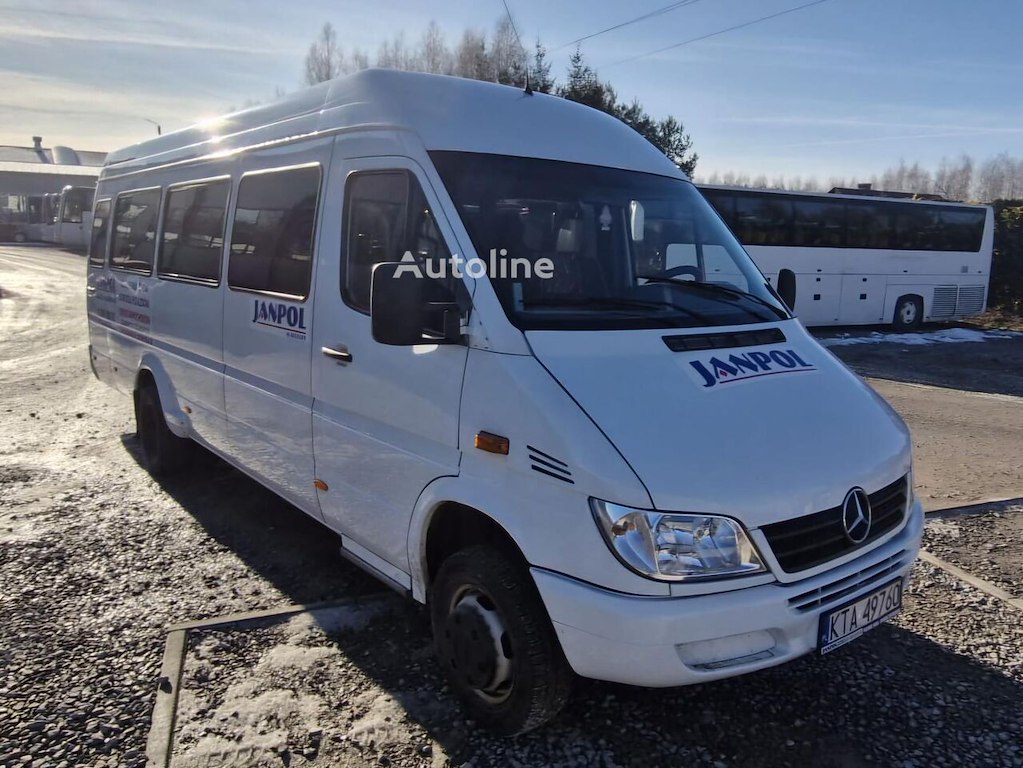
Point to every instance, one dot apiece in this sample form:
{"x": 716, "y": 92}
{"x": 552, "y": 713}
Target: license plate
{"x": 847, "y": 622}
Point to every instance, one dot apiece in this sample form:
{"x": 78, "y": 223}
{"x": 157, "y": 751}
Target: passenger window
{"x": 100, "y": 227}
{"x": 763, "y": 219}
{"x": 272, "y": 234}
{"x": 134, "y": 241}
{"x": 963, "y": 230}
{"x": 387, "y": 215}
{"x": 819, "y": 223}
{"x": 869, "y": 225}
{"x": 193, "y": 232}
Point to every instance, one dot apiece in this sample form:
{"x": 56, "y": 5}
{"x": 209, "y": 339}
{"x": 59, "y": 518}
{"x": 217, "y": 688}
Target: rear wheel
{"x": 163, "y": 452}
{"x": 909, "y": 313}
{"x": 496, "y": 643}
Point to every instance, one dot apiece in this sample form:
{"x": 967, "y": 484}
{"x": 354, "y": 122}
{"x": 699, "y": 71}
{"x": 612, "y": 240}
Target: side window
{"x": 819, "y": 223}
{"x": 100, "y": 227}
{"x": 386, "y": 216}
{"x": 272, "y": 234}
{"x": 376, "y": 213}
{"x": 963, "y": 229}
{"x": 763, "y": 219}
{"x": 193, "y": 231}
{"x": 869, "y": 225}
{"x": 134, "y": 241}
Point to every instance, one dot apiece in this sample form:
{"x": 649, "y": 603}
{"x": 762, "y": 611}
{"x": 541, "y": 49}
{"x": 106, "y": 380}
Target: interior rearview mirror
{"x": 637, "y": 220}
{"x": 407, "y": 308}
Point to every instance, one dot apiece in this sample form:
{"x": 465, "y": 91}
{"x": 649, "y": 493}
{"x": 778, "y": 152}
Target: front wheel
{"x": 496, "y": 643}
{"x": 909, "y": 313}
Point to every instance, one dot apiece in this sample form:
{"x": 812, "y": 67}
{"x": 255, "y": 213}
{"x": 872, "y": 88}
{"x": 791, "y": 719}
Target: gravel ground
{"x": 305, "y": 694}
{"x": 988, "y": 543}
{"x": 96, "y": 559}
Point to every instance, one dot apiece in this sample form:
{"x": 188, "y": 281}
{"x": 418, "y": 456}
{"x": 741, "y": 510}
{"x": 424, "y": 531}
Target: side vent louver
{"x": 546, "y": 464}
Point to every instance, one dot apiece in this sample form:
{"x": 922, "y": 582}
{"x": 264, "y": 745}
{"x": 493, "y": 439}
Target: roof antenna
{"x": 528, "y": 89}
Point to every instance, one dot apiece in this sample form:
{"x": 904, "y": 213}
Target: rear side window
{"x": 192, "y": 239}
{"x": 134, "y": 240}
{"x": 100, "y": 227}
{"x": 272, "y": 234}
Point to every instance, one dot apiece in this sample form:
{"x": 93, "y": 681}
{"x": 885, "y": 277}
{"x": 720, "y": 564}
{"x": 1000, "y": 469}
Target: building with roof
{"x": 29, "y": 174}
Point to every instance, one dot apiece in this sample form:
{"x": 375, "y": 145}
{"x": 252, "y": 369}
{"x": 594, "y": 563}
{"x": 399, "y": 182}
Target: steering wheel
{"x": 683, "y": 269}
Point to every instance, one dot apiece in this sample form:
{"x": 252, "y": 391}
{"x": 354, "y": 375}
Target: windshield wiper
{"x": 716, "y": 288}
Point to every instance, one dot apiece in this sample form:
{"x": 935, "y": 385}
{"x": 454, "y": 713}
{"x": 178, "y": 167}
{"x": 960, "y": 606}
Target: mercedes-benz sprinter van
{"x": 502, "y": 346}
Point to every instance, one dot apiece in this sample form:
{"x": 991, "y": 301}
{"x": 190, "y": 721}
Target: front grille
{"x": 804, "y": 542}
{"x": 837, "y": 590}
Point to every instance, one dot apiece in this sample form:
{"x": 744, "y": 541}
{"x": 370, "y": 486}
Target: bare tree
{"x": 324, "y": 60}
{"x": 954, "y": 180}
{"x": 471, "y": 57}
{"x": 433, "y": 51}
{"x": 507, "y": 56}
{"x": 395, "y": 54}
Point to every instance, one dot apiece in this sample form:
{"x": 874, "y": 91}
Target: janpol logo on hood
{"x": 727, "y": 369}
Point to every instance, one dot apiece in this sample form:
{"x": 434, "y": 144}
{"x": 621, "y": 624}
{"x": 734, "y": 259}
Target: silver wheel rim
{"x": 908, "y": 313}
{"x": 477, "y": 602}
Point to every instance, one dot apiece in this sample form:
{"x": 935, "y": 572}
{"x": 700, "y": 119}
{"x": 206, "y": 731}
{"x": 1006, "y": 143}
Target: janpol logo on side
{"x": 716, "y": 371}
{"x": 284, "y": 317}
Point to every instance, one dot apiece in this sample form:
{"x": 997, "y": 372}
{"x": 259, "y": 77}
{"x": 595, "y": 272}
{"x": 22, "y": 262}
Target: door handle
{"x": 340, "y": 354}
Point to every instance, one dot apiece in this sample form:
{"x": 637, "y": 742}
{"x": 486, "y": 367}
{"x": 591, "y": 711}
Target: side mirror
{"x": 407, "y": 309}
{"x": 787, "y": 288}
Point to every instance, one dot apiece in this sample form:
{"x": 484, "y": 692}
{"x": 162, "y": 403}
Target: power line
{"x": 644, "y": 17}
{"x": 719, "y": 32}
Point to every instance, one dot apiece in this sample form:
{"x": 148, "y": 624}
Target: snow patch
{"x": 945, "y": 336}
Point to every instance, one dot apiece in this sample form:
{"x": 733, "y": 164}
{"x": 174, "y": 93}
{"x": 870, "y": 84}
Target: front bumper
{"x": 670, "y": 641}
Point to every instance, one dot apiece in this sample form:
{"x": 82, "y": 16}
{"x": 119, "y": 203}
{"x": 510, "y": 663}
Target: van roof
{"x": 447, "y": 113}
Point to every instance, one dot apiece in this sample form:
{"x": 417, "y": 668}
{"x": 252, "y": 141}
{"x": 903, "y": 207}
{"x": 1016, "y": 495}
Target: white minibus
{"x": 499, "y": 344}
{"x": 865, "y": 259}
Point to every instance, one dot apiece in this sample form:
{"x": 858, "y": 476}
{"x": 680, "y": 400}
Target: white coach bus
{"x": 602, "y": 458}
{"x": 866, "y": 259}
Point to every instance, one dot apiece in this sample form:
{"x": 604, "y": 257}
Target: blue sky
{"x": 844, "y": 88}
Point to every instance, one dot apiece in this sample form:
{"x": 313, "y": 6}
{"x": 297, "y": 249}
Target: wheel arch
{"x": 150, "y": 372}
{"x": 445, "y": 522}
{"x": 896, "y": 293}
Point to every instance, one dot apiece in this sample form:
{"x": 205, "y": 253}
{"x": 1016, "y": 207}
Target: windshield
{"x": 582, "y": 247}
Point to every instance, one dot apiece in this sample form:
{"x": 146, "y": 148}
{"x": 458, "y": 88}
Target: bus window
{"x": 962, "y": 230}
{"x": 272, "y": 234}
{"x": 763, "y": 219}
{"x": 869, "y": 225}
{"x": 193, "y": 231}
{"x": 134, "y": 242}
{"x": 819, "y": 222}
{"x": 100, "y": 227}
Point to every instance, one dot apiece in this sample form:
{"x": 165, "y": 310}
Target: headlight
{"x": 673, "y": 547}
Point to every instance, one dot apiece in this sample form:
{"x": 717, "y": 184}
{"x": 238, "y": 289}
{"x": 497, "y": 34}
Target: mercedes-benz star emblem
{"x": 856, "y": 515}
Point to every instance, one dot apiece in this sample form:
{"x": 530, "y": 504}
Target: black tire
{"x": 909, "y": 313}
{"x": 512, "y": 683}
{"x": 163, "y": 452}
